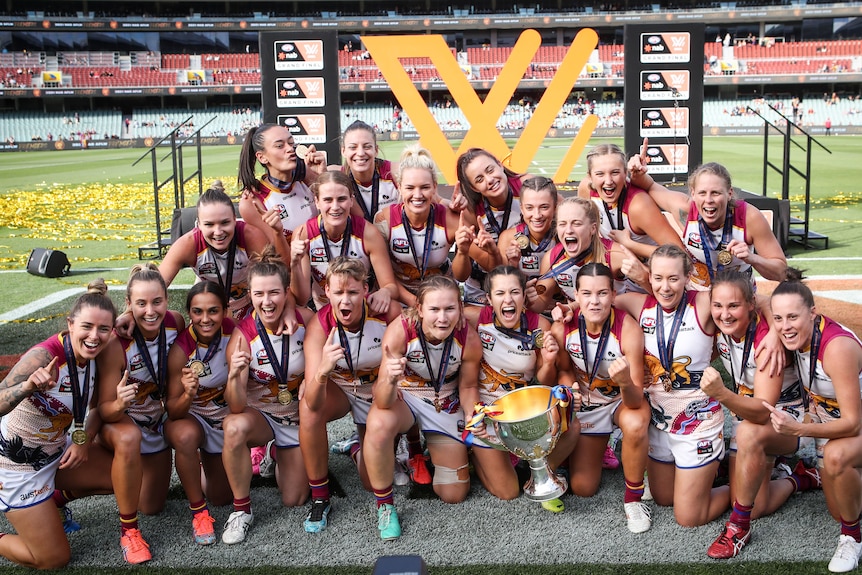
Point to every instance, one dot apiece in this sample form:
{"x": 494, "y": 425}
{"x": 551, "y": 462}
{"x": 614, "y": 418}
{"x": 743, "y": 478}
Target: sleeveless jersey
{"x": 695, "y": 246}
{"x": 566, "y": 279}
{"x": 821, "y": 390}
{"x": 530, "y": 265}
{"x": 147, "y": 409}
{"x": 603, "y": 390}
{"x": 683, "y": 409}
{"x": 320, "y": 261}
{"x": 209, "y": 403}
{"x": 731, "y": 353}
{"x": 506, "y": 365}
{"x": 294, "y": 207}
{"x": 33, "y": 434}
{"x": 401, "y": 254}
{"x": 262, "y": 389}
{"x": 417, "y": 378}
{"x": 211, "y": 265}
{"x": 610, "y": 216}
{"x": 365, "y": 349}
{"x": 387, "y": 191}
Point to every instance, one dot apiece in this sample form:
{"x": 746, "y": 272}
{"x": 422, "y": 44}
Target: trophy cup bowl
{"x": 528, "y": 422}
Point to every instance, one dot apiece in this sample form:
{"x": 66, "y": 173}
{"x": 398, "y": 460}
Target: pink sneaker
{"x": 257, "y": 455}
{"x": 609, "y": 459}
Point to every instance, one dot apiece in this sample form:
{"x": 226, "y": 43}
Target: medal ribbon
{"x": 523, "y": 334}
{"x": 578, "y": 260}
{"x": 79, "y": 392}
{"x": 438, "y": 378}
{"x": 746, "y": 351}
{"x": 813, "y": 353}
{"x": 345, "y": 238}
{"x": 279, "y": 368}
{"x": 707, "y": 239}
{"x": 231, "y": 260}
{"x": 345, "y": 342}
{"x": 600, "y": 351}
{"x": 212, "y": 348}
{"x": 159, "y": 376}
{"x": 541, "y": 247}
{"x": 422, "y": 265}
{"x": 496, "y": 228}
{"x": 375, "y": 194}
{"x": 665, "y": 346}
{"x": 620, "y": 203}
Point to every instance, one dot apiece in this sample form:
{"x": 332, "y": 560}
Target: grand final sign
{"x": 483, "y": 115}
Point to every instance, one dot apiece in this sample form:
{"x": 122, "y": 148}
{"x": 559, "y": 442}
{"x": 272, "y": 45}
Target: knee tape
{"x": 447, "y": 475}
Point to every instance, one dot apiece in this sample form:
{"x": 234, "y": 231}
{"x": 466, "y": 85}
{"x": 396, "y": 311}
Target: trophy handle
{"x": 479, "y": 417}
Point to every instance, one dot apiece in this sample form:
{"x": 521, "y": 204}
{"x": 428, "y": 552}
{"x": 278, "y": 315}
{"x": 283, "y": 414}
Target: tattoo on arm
{"x": 11, "y": 391}
{"x": 683, "y": 218}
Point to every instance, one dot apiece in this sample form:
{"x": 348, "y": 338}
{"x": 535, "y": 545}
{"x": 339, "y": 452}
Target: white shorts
{"x": 23, "y": 489}
{"x": 795, "y": 409}
{"x": 359, "y": 408}
{"x": 432, "y": 421}
{"x": 213, "y": 442}
{"x": 286, "y": 435}
{"x": 599, "y": 421}
{"x": 686, "y": 451}
{"x": 153, "y": 441}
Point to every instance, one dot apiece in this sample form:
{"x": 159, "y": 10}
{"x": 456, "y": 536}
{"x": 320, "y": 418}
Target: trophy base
{"x": 543, "y": 484}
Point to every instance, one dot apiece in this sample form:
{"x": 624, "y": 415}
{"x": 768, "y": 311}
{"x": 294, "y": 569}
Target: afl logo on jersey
{"x": 723, "y": 350}
{"x": 65, "y": 385}
{"x": 318, "y": 255}
{"x": 565, "y": 280}
{"x": 415, "y": 357}
{"x": 207, "y": 268}
{"x": 704, "y": 446}
{"x": 574, "y": 349}
{"x": 262, "y": 358}
{"x": 693, "y": 241}
{"x": 648, "y": 325}
{"x": 530, "y": 263}
{"x": 488, "y": 340}
{"x": 400, "y": 246}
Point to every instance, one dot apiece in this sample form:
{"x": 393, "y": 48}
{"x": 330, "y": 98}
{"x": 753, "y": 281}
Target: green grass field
{"x": 95, "y": 206}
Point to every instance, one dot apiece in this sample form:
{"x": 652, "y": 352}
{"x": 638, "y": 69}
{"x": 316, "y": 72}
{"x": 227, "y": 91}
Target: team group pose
{"x": 358, "y": 290}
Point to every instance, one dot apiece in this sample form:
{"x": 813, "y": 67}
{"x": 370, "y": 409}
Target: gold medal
{"x": 79, "y": 437}
{"x": 522, "y": 241}
{"x": 284, "y": 396}
{"x": 197, "y": 367}
{"x": 538, "y": 339}
{"x": 301, "y": 151}
{"x": 724, "y": 257}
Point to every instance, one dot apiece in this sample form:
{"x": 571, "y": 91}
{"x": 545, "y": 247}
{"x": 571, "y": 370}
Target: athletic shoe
{"x": 555, "y": 505}
{"x": 236, "y": 527}
{"x": 846, "y": 557}
{"x": 801, "y": 470}
{"x": 609, "y": 459}
{"x": 401, "y": 474}
{"x": 135, "y": 549}
{"x": 731, "y": 541}
{"x": 69, "y": 523}
{"x": 638, "y": 516}
{"x": 419, "y": 470}
{"x": 647, "y": 496}
{"x": 387, "y": 522}
{"x": 257, "y": 455}
{"x": 267, "y": 464}
{"x": 316, "y": 520}
{"x": 343, "y": 446}
{"x": 202, "y": 526}
{"x": 781, "y": 470}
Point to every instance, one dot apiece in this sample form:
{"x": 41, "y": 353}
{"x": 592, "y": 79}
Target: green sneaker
{"x": 387, "y": 522}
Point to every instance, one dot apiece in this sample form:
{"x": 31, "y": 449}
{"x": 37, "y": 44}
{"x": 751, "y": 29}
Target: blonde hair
{"x": 350, "y": 267}
{"x": 331, "y": 177}
{"x": 433, "y": 283}
{"x": 147, "y": 272}
{"x": 592, "y": 213}
{"x": 416, "y": 157}
{"x": 605, "y": 150}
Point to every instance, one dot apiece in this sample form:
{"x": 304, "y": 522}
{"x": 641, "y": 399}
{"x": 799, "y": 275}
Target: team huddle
{"x": 358, "y": 290}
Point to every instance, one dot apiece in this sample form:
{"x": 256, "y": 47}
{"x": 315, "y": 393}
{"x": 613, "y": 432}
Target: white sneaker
{"x": 402, "y": 457}
{"x": 236, "y": 527}
{"x": 647, "y": 496}
{"x": 781, "y": 471}
{"x": 267, "y": 464}
{"x": 638, "y": 516}
{"x": 846, "y": 557}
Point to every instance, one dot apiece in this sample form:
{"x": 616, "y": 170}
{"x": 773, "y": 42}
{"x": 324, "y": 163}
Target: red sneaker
{"x": 811, "y": 472}
{"x": 135, "y": 549}
{"x": 419, "y": 470}
{"x": 609, "y": 459}
{"x": 731, "y": 541}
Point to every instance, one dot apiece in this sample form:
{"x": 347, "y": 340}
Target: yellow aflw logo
{"x": 483, "y": 116}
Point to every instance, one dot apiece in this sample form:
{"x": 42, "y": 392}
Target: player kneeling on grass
{"x": 428, "y": 354}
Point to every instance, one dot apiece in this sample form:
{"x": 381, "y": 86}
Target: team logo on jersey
{"x": 136, "y": 362}
{"x": 565, "y": 280}
{"x": 704, "y": 447}
{"x": 574, "y": 350}
{"x": 208, "y": 268}
{"x": 65, "y": 385}
{"x": 262, "y": 358}
{"x": 530, "y": 263}
{"x": 416, "y": 357}
{"x": 282, "y": 211}
{"x": 648, "y": 325}
{"x": 318, "y": 255}
{"x": 400, "y": 246}
{"x": 488, "y": 340}
{"x": 724, "y": 350}
{"x": 693, "y": 241}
